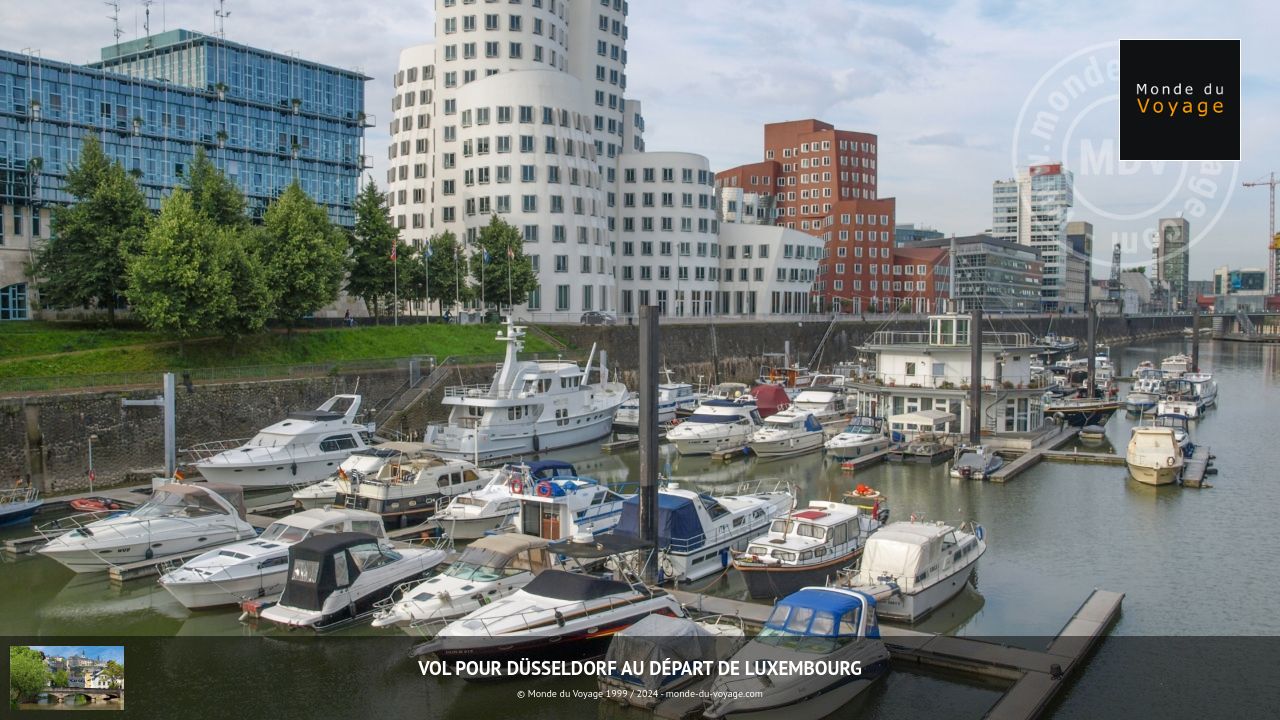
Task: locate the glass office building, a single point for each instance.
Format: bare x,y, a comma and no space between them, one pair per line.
264,118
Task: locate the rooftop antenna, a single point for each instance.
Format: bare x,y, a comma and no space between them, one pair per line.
146,20
223,13
114,17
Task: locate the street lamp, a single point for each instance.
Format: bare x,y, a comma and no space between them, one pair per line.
92,437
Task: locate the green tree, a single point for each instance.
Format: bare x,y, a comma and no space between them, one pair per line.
448,272
178,283
27,672
114,672
60,679
304,255
371,275
252,301
504,246
213,194
84,262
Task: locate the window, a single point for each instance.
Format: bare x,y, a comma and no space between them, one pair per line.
562,297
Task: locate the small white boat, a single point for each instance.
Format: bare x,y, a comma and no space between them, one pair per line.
822,624
789,432
1145,392
558,504
829,403
362,463
1203,388
1153,456
862,436
472,514
667,640
558,614
1175,365
179,518
912,568
697,533
257,568
336,578
18,504
975,462
715,426
305,447
673,399
490,568
806,547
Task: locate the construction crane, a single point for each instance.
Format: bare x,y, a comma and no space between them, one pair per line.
1273,247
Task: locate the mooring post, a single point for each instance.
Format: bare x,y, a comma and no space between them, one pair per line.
1092,319
975,370
170,427
1195,337
648,377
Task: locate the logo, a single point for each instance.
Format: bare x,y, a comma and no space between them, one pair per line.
1070,123
1180,99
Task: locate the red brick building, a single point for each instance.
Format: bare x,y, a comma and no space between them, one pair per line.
823,181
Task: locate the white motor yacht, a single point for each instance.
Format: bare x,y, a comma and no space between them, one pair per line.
558,614
1203,387
789,432
531,406
258,567
178,518
490,568
1145,392
1175,365
673,398
555,503
716,425
975,462
473,514
336,578
829,403
697,533
823,625
912,568
806,547
862,436
305,447
362,463
409,492
1154,456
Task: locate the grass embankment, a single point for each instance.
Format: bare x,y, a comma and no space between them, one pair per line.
46,349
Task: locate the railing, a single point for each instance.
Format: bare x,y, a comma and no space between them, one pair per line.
922,337
531,619
204,451
476,390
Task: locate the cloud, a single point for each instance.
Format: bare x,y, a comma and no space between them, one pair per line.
943,139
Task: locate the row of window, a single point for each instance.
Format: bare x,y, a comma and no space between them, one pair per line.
667,224
649,175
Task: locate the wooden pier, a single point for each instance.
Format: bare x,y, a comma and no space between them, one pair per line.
626,443
1035,676
1031,457
731,454
1197,467
863,461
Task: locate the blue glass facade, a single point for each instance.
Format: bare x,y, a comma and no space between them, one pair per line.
264,118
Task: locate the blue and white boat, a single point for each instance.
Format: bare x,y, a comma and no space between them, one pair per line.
673,398
18,504
555,503
835,628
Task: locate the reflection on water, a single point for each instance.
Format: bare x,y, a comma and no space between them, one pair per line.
77,702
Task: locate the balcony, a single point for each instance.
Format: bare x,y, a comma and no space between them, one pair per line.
920,338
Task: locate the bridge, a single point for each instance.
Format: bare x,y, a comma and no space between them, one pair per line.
94,694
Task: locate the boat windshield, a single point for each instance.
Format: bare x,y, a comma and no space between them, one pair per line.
283,532
808,630
266,439
481,565
167,504
861,429
802,529
709,419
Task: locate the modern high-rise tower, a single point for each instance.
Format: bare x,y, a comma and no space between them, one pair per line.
1033,210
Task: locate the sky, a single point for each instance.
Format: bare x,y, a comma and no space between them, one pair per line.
942,82
99,652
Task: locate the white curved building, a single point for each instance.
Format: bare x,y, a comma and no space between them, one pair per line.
668,253
517,109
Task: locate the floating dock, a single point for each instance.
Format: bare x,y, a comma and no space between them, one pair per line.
626,443
1035,676
1197,467
1031,457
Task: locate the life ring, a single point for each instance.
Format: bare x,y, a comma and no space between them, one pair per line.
1170,398
543,489
863,490
1170,460
516,484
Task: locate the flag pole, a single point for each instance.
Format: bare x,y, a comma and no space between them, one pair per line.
395,271
511,256
426,278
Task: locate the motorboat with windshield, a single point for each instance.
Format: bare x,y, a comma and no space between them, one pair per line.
673,399
258,567
178,518
1154,456
834,631
717,425
862,436
335,579
806,547
975,462
555,503
362,463
488,569
912,568
407,492
530,406
790,432
305,447
698,532
19,504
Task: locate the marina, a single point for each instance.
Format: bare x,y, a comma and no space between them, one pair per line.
957,649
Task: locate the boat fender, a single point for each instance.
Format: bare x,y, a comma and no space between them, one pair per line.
148,554
979,532
559,618
724,557
293,467
544,489
536,444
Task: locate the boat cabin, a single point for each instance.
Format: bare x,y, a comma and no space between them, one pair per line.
909,426
915,555
833,615
324,564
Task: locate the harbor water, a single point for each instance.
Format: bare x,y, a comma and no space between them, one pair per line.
1054,534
